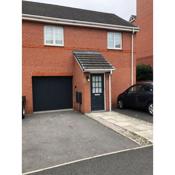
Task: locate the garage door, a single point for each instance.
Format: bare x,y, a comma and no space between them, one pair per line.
52,93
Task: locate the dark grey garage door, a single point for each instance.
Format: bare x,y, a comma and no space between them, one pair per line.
52,93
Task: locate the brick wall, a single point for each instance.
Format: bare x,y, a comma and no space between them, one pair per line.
80,84
40,60
145,36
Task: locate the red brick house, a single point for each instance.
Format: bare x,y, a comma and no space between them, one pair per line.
144,39
75,59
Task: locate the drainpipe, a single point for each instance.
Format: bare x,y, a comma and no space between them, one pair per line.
132,58
110,90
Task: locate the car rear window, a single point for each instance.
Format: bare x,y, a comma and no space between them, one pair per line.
135,88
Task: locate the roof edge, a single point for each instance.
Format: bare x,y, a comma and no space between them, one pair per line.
99,70
78,23
78,63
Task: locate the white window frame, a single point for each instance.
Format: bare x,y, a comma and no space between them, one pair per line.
115,48
55,28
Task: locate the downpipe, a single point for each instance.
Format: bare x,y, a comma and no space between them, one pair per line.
132,57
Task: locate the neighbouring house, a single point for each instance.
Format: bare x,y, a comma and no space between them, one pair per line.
144,39
75,58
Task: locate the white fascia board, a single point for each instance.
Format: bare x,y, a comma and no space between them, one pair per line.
77,23
98,70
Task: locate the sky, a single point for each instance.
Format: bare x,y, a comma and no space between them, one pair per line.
122,8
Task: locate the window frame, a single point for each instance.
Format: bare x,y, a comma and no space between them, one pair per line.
54,43
97,85
121,42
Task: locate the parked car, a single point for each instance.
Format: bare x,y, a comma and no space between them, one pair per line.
138,96
23,106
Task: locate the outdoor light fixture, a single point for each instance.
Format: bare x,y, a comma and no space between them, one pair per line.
87,78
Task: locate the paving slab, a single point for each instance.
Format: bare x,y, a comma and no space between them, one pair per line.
139,130
138,114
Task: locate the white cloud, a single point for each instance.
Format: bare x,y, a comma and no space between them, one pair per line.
122,8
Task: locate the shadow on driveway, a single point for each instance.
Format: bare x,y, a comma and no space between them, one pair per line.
138,114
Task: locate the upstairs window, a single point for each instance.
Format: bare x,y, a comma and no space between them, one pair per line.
114,40
53,36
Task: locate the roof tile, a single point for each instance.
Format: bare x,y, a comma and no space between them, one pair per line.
90,60
57,11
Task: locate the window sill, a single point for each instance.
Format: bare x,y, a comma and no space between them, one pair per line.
53,45
114,48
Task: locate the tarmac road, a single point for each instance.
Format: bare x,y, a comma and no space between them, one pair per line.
137,161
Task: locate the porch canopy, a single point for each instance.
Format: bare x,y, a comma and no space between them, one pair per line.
92,61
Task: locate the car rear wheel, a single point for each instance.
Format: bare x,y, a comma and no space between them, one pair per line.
150,108
120,104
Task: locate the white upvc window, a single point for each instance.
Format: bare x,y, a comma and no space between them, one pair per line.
53,36
114,40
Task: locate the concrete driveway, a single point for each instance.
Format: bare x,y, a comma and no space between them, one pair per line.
53,138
